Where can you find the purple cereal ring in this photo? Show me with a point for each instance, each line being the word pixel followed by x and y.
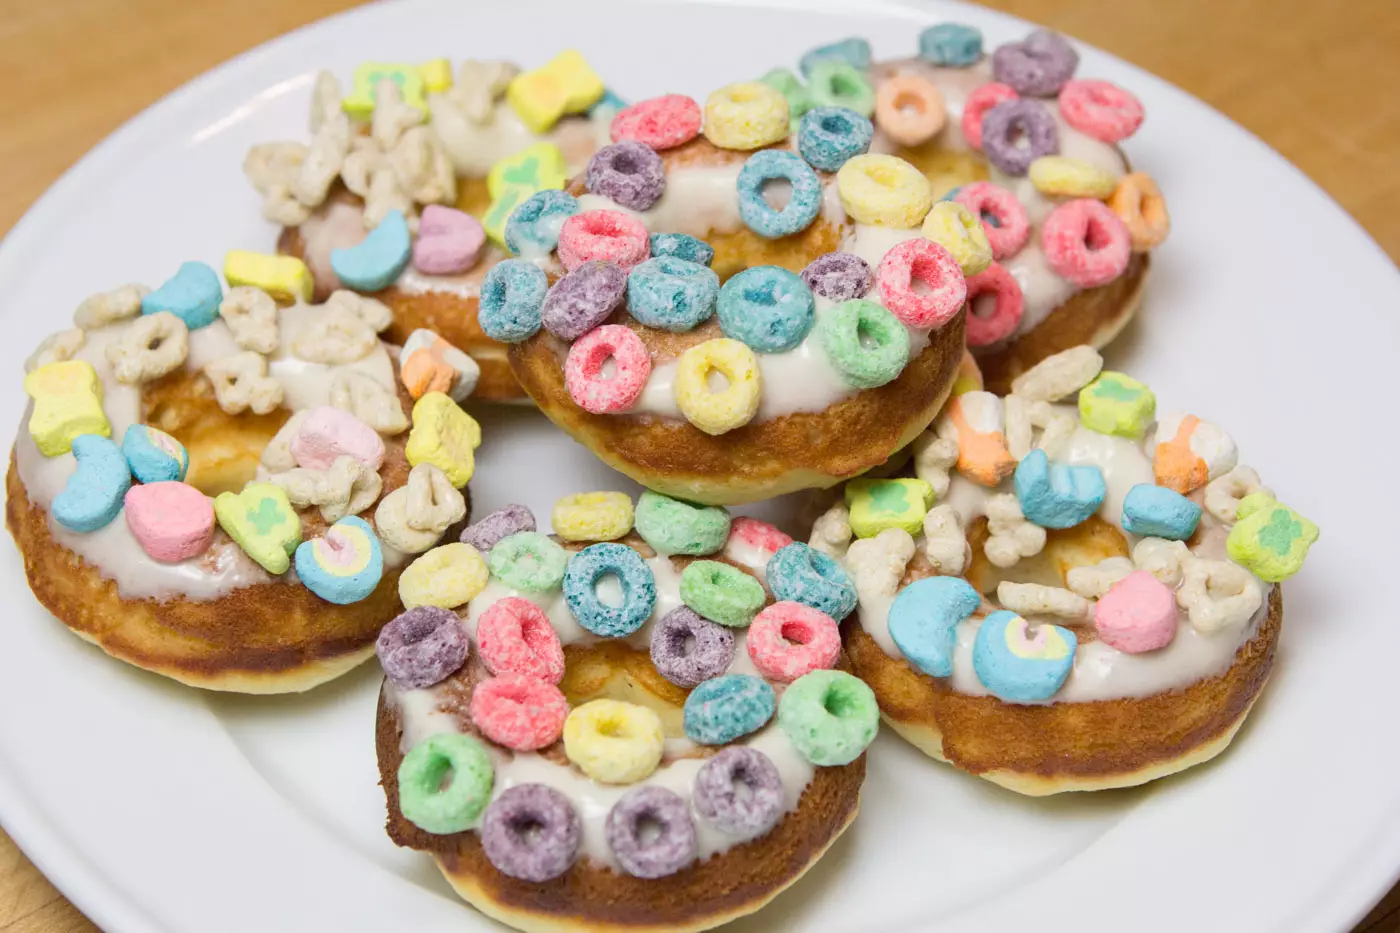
pixel 583 299
pixel 502 523
pixel 531 832
pixel 1038 66
pixel 670 849
pixel 839 276
pixel 719 801
pixel 629 173
pixel 1017 132
pixel 688 649
pixel 423 646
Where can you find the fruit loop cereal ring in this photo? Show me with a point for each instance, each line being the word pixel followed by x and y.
pixel 955 228
pixel 726 708
pixel 1008 303
pixel 1037 66
pixel 730 408
pixel 608 236
pixel 671 526
pixel 1101 109
pixel 592 516
pixel 1085 242
pixel 920 283
pixel 344 565
pixel 951 45
pixel 519 712
pixel 828 137
pixel 758 535
pixel 583 299
pixel 803 205
pixel 976 106
pixel 661 122
pixel 837 84
pixel 495 527
pixel 583 369
pixel 1004 217
pixel 1016 133
pixel 801 573
pixel 767 307
pixel 447 576
pixel 1061 177
pixel 830 716
pixel 688 649
pixel 422 647
pixel 627 172
pixel 788 639
pixel 512 297
pixel 1138 202
pixel 854 51
pixel 839 276
pixel 745 813
pixel 909 108
pixel 533 228
pixel 651 833
pixel 614 742
pixel 721 593
pixel 609 619
pixel 746 116
pixel 682 246
pixel 531 832
pixel 431 802
pixel 672 294
pixel 514 636
pixel 799 100
pixel 884 190
pixel 866 343
pixel 528 561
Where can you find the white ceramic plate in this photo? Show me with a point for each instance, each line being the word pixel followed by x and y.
pixel 158 808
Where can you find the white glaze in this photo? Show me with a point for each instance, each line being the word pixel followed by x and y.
pixel 475 147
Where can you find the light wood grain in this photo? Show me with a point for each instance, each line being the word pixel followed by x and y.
pixel 1317 81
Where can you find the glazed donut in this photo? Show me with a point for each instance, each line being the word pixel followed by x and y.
pixel 454 159
pixel 291 418
pixel 640 736
pixel 1093 600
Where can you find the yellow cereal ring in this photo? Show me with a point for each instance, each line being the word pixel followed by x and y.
pixel 446 576
pixel 746 116
pixel 592 516
pixel 444 436
pixel 952 226
pixel 884 190
pixel 614 742
pixel 1139 204
pixel 734 406
pixel 285 278
pixel 1063 177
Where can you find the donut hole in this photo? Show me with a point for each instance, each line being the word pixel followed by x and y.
pixel 840 703
pixel 741 785
pixel 609 590
pixel 776 193
pixel 835 124
pixel 527 828
pixel 1096 236
pixel 618 671
pixel 649 829
pixel 983 305
pixel 716 381
pixel 625 163
pixel 910 104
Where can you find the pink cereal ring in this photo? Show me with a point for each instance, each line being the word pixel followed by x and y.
pixel 923 262
pixel 661 122
pixel 1003 216
pixel 606 236
pixel 1100 109
pixel 514 637
pixel 1085 242
pixel 590 389
pixel 519 712
pixel 976 106
pixel 789 639
pixel 753 533
pixel 1007 305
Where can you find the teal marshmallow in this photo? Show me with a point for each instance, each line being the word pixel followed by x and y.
pixel 1159 512
pixel 726 708
pixel 1017 668
pixel 154 456
pixel 854 51
pixel 193 295
pixel 1054 495
pixel 375 262
pixel 924 619
pixel 94 494
pixel 952 45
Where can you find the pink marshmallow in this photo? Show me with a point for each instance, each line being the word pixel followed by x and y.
pixel 327 433
pixel 172 521
pixel 1137 614
pixel 448 241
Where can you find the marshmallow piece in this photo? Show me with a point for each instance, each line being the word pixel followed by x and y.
pixel 430 364
pixel 1137 614
pixel 449 241
pixel 153 455
pixel 1117 404
pixel 1189 452
pixel 375 262
pixel 924 619
pixel 260 519
pixel 192 294
pixel 878 504
pixel 285 278
pixel 67 403
pixel 1019 664
pixel 974 421
pixel 1054 495
pixel 172 521
pixel 1158 512
pixel 566 84
pixel 444 436
pixel 327 433
pixel 1269 539
pixel 344 565
pixel 362 98
pixel 93 495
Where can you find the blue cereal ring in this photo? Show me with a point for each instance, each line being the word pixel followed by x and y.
pixel 672 294
pixel 1019 667
pixel 95 491
pixel 952 45
pixel 725 708
pixel 801 209
pixel 638 584
pixel 828 136
pixel 854 51
pixel 1054 495
pixel 1159 512
pixel 803 574
pixel 924 619
pixel 375 262
pixel 682 246
pixel 512 300
pixel 835 83
pixel 767 308
pixel 344 565
pixel 192 294
pixel 154 456
pixel 533 228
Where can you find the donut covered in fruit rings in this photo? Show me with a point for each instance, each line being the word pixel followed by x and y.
pixel 645 716
pixel 223 489
pixel 1072 591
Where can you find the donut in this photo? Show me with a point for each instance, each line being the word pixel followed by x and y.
pixel 1066 597
pixel 647 718
pixel 455 158
pixel 225 491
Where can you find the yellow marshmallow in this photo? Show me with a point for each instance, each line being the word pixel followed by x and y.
pixel 536 168
pixel 436 75
pixel 447 576
pixel 614 742
pixel 592 516
pixel 734 406
pixel 360 103
pixel 744 116
pixel 67 403
pixel 884 190
pixel 1063 177
pixel 444 436
pixel 564 85
pixel 953 227
pixel 285 278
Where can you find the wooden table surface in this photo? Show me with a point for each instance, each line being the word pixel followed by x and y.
pixel 1315 80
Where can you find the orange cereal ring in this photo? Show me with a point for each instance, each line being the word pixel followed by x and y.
pixel 1138 202
pixel 909 108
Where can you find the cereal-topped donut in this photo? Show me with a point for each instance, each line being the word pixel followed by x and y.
pixel 405 187
pixel 1018 143
pixel 1072 591
pixel 640 722
pixel 224 490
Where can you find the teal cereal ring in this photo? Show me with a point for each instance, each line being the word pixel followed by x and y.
pixel 528 561
pixel 672 526
pixel 829 716
pixel 721 593
pixel 464 765
pixel 866 344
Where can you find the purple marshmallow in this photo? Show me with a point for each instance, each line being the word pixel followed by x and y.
pixel 838 276
pixel 1017 132
pixel 1038 66
pixel 502 523
pixel 583 299
pixel 719 800
pixel 650 832
pixel 688 649
pixel 629 173
pixel 421 647
pixel 531 832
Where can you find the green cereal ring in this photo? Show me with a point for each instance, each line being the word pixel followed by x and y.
pixel 829 716
pixel 671 526
pixel 721 593
pixel 451 809
pixel 866 343
pixel 528 560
